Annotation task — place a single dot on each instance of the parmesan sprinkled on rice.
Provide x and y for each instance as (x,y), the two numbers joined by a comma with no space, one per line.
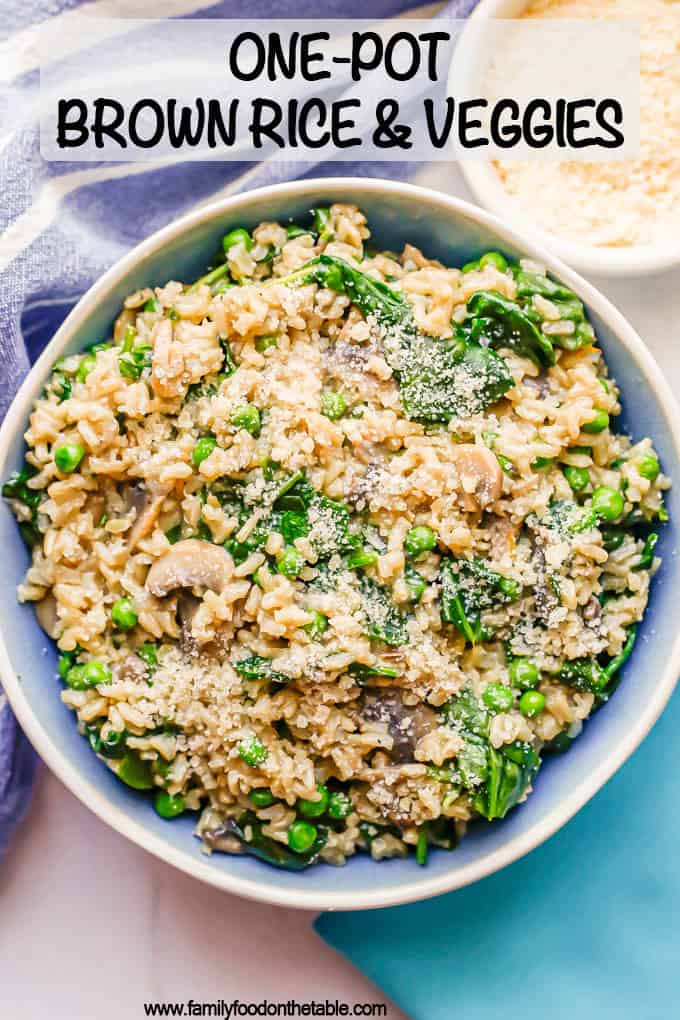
(318,543)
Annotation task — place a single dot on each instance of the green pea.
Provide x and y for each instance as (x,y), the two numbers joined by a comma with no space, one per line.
(203,448)
(420,539)
(599,423)
(238,236)
(135,772)
(577,477)
(498,698)
(333,405)
(262,798)
(68,456)
(339,806)
(607,503)
(523,673)
(493,258)
(253,752)
(314,808)
(123,614)
(95,673)
(540,463)
(612,538)
(531,703)
(168,805)
(290,562)
(265,343)
(649,467)
(85,367)
(65,663)
(301,836)
(113,744)
(247,417)
(318,625)
(75,678)
(470,267)
(510,588)
(362,558)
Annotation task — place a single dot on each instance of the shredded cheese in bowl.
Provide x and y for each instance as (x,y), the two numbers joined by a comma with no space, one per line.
(622,203)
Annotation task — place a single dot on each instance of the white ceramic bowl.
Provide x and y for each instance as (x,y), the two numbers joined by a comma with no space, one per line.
(486,186)
(454,232)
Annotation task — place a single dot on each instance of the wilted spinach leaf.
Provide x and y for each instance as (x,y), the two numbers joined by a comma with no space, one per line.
(384,622)
(467,588)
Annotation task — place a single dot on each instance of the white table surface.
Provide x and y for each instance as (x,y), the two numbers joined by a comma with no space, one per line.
(91,926)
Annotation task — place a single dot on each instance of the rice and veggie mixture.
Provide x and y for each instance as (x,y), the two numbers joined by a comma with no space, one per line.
(337,544)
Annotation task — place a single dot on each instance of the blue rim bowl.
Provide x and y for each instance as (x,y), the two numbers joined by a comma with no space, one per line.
(455,232)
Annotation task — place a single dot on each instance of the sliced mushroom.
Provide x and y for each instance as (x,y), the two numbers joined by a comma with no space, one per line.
(480,475)
(592,611)
(133,668)
(538,383)
(136,495)
(224,839)
(187,606)
(147,501)
(127,317)
(341,356)
(501,532)
(545,599)
(406,724)
(192,563)
(363,486)
(46,612)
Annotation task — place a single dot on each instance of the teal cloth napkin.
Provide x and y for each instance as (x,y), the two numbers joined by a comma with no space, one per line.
(586,927)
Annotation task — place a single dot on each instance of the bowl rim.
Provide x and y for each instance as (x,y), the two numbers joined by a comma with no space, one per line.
(484,183)
(422,887)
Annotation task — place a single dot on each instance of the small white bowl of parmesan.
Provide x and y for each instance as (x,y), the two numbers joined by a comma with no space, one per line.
(613,218)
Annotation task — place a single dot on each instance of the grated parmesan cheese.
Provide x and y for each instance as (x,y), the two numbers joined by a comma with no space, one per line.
(629,202)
